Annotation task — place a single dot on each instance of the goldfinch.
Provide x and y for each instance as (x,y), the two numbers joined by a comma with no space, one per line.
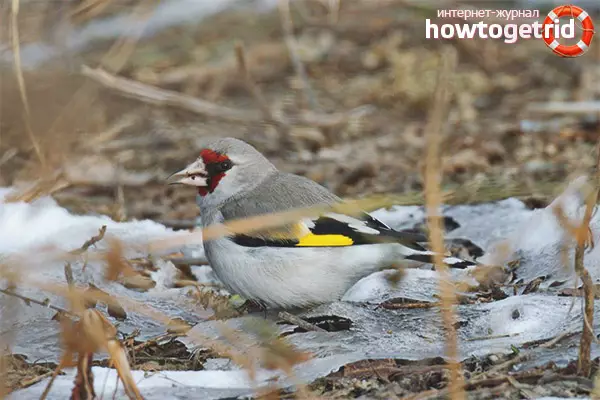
(313,261)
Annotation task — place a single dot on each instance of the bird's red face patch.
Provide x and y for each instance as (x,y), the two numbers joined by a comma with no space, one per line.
(216,164)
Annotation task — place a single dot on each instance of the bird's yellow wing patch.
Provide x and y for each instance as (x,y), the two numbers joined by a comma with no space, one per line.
(313,240)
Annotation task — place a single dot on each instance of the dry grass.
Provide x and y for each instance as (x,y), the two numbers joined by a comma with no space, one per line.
(434,220)
(21,81)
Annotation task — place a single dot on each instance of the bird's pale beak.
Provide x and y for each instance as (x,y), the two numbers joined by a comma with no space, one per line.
(194,175)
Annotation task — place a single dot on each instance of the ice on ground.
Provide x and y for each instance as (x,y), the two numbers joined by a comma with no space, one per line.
(538,242)
(532,236)
(187,384)
(33,235)
(415,334)
(418,333)
(153,385)
(416,284)
(487,224)
(375,333)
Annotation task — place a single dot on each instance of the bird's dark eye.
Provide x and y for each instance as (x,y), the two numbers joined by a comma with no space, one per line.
(225,165)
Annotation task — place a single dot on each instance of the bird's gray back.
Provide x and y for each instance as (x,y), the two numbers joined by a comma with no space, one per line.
(280,192)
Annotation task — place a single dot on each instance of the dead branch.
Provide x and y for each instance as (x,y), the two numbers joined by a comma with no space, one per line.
(161,97)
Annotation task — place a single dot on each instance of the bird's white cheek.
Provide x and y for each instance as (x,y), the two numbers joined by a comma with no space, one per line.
(194,180)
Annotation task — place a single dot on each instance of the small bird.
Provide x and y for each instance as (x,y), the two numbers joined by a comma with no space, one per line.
(312,261)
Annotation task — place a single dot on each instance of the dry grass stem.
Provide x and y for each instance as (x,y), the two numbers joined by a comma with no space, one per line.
(21,80)
(141,308)
(267,221)
(582,234)
(88,9)
(91,334)
(288,34)
(162,97)
(255,90)
(55,373)
(433,202)
(584,363)
(40,188)
(282,127)
(560,107)
(114,59)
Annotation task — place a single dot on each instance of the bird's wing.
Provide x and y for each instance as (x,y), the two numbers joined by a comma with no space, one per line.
(332,230)
(283,192)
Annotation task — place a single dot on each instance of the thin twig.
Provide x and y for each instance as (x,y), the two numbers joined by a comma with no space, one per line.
(433,199)
(55,373)
(294,320)
(154,340)
(45,303)
(26,383)
(90,242)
